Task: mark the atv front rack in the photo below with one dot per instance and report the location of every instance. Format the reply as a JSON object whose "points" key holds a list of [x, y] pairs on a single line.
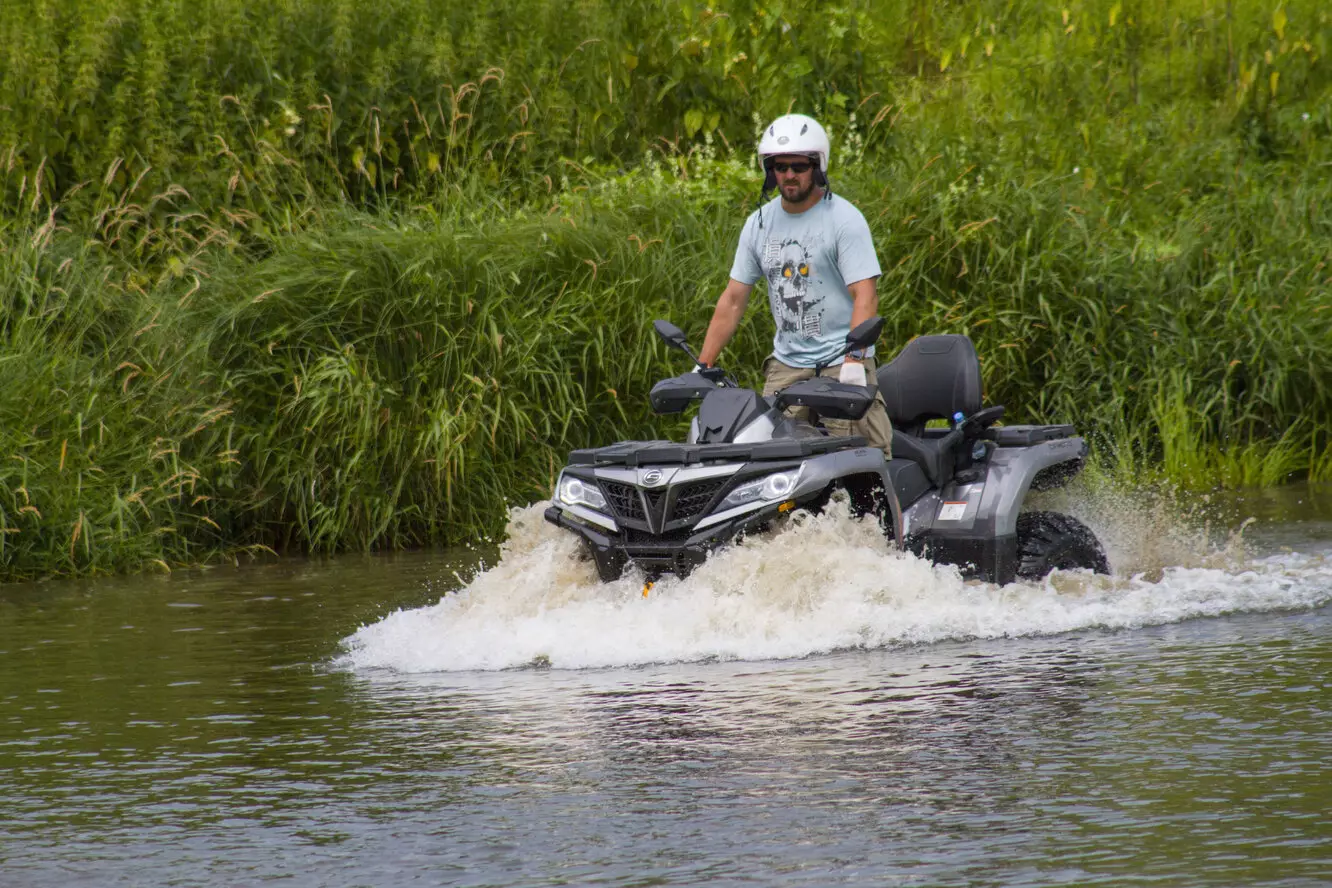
{"points": [[657, 453]]}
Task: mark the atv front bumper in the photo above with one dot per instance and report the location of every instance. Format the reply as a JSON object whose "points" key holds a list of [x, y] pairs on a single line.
{"points": [[678, 552]]}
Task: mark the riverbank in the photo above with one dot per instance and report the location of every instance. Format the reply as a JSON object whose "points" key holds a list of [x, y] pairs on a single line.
{"points": [[390, 381], [210, 352]]}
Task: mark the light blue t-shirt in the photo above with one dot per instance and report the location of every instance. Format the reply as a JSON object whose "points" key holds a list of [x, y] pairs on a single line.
{"points": [[808, 259]]}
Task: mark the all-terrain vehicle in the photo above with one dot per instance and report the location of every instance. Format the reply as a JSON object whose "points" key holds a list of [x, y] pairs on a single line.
{"points": [[952, 494]]}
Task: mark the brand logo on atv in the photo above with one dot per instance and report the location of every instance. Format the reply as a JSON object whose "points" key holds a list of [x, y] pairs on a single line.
{"points": [[651, 478]]}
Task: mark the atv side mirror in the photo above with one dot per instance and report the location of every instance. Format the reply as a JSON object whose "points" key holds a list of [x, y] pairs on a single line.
{"points": [[865, 334], [672, 334]]}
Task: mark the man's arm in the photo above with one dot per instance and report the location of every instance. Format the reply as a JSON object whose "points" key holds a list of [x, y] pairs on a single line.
{"points": [[865, 296], [725, 319]]}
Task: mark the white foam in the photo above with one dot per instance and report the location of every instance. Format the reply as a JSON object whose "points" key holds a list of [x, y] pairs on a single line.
{"points": [[821, 583]]}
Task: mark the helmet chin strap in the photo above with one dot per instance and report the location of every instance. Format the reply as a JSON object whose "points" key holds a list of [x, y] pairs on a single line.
{"points": [[770, 182], [821, 179]]}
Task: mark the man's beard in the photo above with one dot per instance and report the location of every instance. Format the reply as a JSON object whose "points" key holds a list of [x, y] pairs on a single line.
{"points": [[798, 197]]}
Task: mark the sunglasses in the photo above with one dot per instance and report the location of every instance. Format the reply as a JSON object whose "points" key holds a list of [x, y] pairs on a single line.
{"points": [[799, 167]]}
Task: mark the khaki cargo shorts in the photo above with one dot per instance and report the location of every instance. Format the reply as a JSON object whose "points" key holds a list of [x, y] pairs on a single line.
{"points": [[874, 426]]}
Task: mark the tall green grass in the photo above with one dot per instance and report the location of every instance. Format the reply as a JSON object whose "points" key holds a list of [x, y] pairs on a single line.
{"points": [[259, 108], [297, 277], [391, 381]]}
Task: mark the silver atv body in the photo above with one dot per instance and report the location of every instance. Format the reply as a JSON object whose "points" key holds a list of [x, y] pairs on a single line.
{"points": [[951, 494]]}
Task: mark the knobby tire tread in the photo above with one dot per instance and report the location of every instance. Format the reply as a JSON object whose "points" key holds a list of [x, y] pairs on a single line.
{"points": [[1050, 540]]}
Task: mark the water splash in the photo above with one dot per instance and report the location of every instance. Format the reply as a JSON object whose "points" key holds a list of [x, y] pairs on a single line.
{"points": [[818, 584], [1147, 531]]}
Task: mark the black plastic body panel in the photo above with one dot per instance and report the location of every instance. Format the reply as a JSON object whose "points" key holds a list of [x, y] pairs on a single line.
{"points": [[1059, 474], [909, 481], [989, 558], [827, 397], [936, 460], [675, 394], [725, 411]]}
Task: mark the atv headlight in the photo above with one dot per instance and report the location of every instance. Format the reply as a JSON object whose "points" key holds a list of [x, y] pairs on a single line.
{"points": [[572, 491], [776, 486]]}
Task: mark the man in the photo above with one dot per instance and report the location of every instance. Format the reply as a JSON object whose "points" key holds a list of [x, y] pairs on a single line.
{"points": [[815, 250]]}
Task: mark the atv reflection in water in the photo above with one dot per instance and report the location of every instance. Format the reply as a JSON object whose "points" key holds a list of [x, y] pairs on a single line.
{"points": [[954, 495]]}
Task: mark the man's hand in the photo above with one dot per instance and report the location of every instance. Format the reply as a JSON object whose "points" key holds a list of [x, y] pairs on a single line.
{"points": [[711, 374], [852, 373]]}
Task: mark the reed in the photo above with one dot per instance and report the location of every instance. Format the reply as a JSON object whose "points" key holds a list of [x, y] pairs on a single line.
{"points": [[393, 381], [220, 338]]}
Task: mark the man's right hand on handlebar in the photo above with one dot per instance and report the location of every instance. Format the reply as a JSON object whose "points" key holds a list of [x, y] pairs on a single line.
{"points": [[711, 374]]}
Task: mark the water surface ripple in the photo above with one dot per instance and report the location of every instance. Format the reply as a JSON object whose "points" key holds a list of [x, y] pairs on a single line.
{"points": [[218, 730]]}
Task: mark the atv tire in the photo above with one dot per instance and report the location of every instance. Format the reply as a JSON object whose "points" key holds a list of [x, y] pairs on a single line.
{"points": [[1048, 540]]}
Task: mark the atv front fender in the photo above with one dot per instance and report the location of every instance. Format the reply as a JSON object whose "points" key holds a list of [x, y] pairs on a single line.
{"points": [[823, 472]]}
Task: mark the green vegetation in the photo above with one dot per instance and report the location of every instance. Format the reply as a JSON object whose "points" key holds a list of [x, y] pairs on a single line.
{"points": [[317, 276]]}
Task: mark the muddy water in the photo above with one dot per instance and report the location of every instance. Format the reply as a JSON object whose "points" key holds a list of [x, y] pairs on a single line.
{"points": [[807, 710]]}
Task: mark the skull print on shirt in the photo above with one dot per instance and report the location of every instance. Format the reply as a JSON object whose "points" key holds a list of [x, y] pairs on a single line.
{"points": [[786, 264]]}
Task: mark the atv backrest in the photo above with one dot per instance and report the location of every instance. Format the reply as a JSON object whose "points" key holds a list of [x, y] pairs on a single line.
{"points": [[933, 377]]}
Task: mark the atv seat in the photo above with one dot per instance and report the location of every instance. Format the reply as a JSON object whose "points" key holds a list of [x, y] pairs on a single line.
{"points": [[932, 377]]}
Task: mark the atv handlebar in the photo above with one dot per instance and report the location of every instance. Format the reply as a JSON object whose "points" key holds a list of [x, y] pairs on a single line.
{"points": [[715, 374], [672, 395], [676, 393]]}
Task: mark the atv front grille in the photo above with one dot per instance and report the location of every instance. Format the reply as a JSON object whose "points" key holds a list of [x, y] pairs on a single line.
{"points": [[655, 499], [687, 502], [624, 500], [694, 498]]}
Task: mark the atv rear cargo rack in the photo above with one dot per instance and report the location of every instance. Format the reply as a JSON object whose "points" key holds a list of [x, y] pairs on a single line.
{"points": [[1010, 435], [1027, 435]]}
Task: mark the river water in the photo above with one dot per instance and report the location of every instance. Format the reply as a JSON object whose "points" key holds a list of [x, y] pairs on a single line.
{"points": [[808, 709]]}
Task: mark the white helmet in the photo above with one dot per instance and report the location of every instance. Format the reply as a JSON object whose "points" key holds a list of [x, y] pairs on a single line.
{"points": [[795, 134]]}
